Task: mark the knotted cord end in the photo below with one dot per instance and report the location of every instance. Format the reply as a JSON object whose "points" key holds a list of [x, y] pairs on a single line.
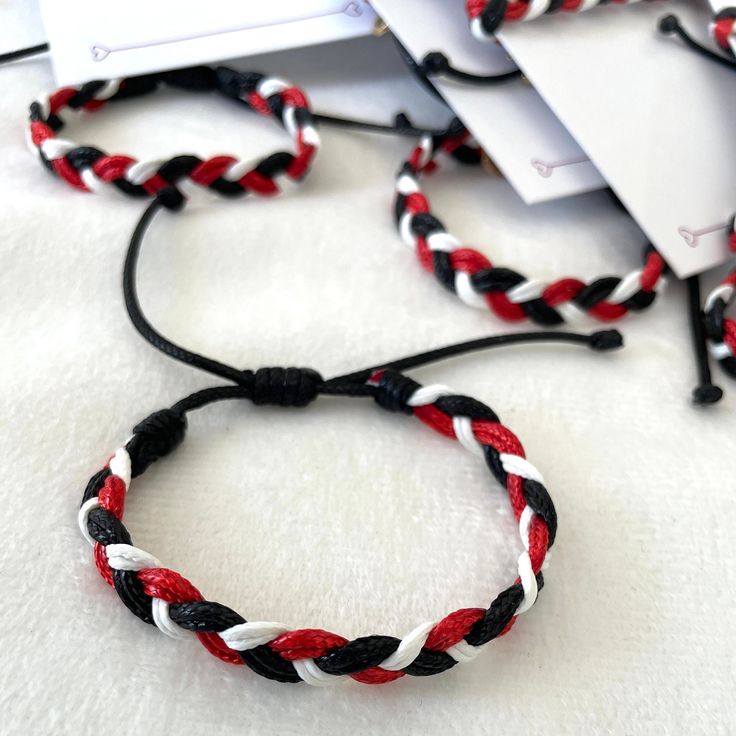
{"points": [[393, 390], [154, 437], [606, 340]]}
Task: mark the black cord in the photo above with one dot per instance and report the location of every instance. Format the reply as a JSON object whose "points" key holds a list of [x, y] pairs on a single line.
{"points": [[670, 24], [139, 319], [23, 53], [351, 384], [402, 125], [705, 393]]}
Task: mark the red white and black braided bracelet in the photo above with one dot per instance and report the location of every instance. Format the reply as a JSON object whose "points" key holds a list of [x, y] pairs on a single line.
{"points": [[162, 597], [478, 283], [90, 169], [487, 16]]}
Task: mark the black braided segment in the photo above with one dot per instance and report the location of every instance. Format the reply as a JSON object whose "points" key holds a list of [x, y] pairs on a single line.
{"points": [[138, 587], [82, 165]]}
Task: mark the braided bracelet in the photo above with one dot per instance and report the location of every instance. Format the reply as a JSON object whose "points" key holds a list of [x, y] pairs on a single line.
{"points": [[487, 16], [720, 330], [162, 597], [471, 276], [89, 169]]}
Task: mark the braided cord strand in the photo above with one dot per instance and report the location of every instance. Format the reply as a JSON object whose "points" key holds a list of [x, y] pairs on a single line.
{"points": [[89, 169], [478, 283], [487, 16], [162, 597]]}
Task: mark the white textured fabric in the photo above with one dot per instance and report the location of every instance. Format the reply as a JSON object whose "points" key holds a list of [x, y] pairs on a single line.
{"points": [[342, 516]]}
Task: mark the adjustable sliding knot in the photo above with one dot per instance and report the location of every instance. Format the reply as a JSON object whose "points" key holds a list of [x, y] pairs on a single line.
{"points": [[284, 386], [155, 437], [393, 390]]}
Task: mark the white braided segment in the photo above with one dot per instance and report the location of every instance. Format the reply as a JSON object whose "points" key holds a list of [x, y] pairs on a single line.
{"points": [[722, 291], [313, 675], [142, 171], [520, 466], [271, 86], [120, 466], [406, 185], [83, 515], [163, 621], [443, 242], [719, 350], [528, 582], [53, 148], [251, 634], [725, 292], [463, 428], [129, 558], [409, 648], [467, 294], [428, 395], [463, 652]]}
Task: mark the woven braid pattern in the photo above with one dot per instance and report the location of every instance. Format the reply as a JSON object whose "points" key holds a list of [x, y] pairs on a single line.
{"points": [[89, 169], [163, 598], [510, 295], [487, 16], [721, 330]]}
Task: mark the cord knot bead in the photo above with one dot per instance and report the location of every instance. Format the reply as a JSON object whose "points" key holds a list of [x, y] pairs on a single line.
{"points": [[393, 391], [155, 437], [286, 386]]}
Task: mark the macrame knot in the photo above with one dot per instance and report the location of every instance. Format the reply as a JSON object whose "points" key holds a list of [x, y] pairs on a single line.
{"points": [[286, 386], [155, 437], [394, 390]]}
